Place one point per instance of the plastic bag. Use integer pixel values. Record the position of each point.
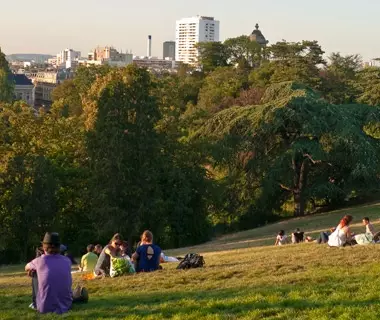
(121, 266)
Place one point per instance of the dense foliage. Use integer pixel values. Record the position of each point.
(255, 134)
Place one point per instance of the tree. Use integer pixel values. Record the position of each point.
(6, 85)
(68, 96)
(221, 87)
(244, 52)
(368, 86)
(299, 62)
(339, 78)
(124, 151)
(212, 55)
(296, 142)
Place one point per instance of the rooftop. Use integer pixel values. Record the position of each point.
(21, 80)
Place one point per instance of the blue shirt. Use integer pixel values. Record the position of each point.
(149, 257)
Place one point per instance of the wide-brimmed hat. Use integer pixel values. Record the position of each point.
(52, 238)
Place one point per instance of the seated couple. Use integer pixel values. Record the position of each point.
(51, 278)
(146, 258)
(342, 235)
(282, 239)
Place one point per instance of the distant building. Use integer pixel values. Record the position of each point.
(52, 61)
(23, 89)
(155, 64)
(67, 58)
(257, 36)
(108, 55)
(190, 31)
(45, 82)
(169, 50)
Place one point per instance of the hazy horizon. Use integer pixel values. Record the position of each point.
(339, 25)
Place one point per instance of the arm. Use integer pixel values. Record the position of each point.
(135, 256)
(110, 253)
(276, 243)
(348, 233)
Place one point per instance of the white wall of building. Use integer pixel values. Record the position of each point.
(67, 55)
(190, 31)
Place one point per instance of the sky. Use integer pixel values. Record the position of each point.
(45, 26)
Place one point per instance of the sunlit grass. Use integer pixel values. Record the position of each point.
(239, 281)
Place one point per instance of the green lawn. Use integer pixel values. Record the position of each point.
(242, 280)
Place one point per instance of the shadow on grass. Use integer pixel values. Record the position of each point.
(234, 302)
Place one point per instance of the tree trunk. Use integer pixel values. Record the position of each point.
(300, 180)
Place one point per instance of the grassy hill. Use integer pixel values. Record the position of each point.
(243, 279)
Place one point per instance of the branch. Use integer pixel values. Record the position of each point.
(315, 161)
(285, 188)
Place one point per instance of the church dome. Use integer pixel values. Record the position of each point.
(257, 36)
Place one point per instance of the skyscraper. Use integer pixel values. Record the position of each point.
(169, 50)
(190, 31)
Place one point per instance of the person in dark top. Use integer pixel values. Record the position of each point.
(147, 255)
(103, 265)
(98, 249)
(125, 249)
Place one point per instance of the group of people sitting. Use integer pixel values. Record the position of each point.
(51, 269)
(336, 237)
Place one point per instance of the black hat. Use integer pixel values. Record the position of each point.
(52, 238)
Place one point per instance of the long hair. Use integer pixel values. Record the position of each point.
(147, 236)
(345, 221)
(115, 237)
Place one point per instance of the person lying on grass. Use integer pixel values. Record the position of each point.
(147, 255)
(281, 238)
(51, 274)
(103, 266)
(342, 236)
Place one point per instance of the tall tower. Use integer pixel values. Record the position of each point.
(149, 46)
(190, 31)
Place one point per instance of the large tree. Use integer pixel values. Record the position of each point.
(299, 144)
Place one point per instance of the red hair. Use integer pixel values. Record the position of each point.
(345, 221)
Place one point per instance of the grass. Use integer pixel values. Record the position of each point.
(243, 279)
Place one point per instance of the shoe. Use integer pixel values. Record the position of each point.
(32, 306)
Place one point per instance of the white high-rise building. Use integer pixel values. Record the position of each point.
(190, 31)
(66, 57)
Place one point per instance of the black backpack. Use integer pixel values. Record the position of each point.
(191, 260)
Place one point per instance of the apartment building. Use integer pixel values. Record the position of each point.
(189, 32)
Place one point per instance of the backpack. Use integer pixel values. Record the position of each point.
(191, 260)
(80, 294)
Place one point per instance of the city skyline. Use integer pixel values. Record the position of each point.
(339, 26)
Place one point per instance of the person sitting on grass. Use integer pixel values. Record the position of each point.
(342, 235)
(369, 235)
(297, 236)
(103, 266)
(281, 238)
(147, 255)
(53, 281)
(98, 249)
(89, 260)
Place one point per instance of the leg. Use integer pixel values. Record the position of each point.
(34, 289)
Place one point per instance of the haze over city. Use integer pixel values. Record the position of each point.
(345, 26)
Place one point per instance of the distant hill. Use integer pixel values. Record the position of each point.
(39, 58)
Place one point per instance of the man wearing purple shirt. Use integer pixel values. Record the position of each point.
(54, 277)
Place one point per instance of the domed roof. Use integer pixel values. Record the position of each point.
(257, 36)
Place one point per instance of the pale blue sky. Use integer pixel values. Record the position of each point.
(45, 26)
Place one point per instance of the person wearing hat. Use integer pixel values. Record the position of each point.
(53, 285)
